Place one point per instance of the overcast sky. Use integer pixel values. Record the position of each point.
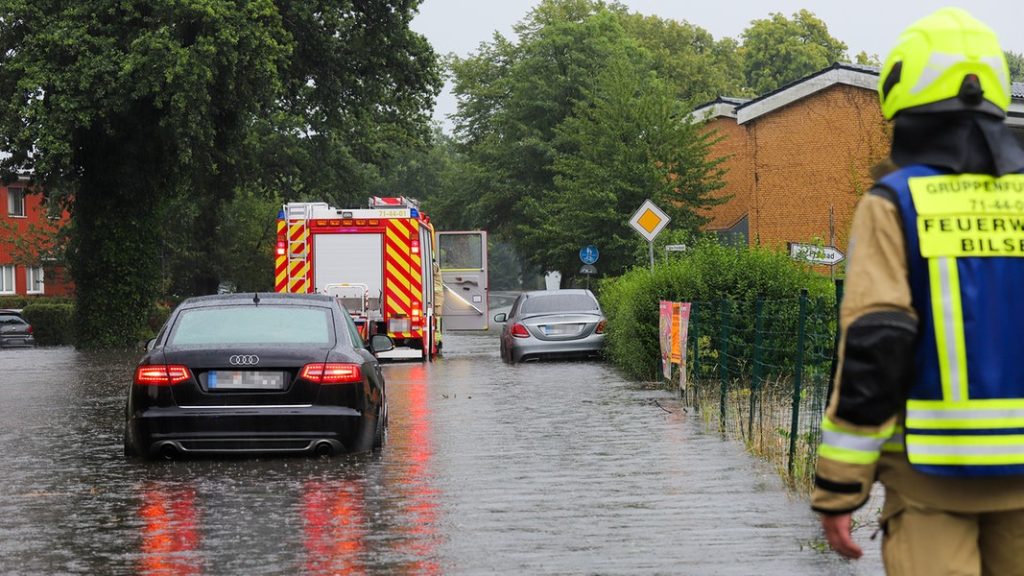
(459, 26)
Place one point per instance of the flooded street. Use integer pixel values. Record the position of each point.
(543, 468)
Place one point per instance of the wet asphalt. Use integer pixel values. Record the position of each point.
(541, 468)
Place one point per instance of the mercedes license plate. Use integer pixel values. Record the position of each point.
(244, 380)
(561, 329)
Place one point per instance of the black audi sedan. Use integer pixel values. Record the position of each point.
(259, 373)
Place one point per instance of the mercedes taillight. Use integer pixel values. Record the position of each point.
(520, 331)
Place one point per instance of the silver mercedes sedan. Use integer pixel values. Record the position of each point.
(552, 324)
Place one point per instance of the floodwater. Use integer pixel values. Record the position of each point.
(542, 468)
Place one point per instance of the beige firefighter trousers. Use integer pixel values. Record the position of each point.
(921, 541)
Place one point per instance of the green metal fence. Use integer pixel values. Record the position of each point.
(759, 371)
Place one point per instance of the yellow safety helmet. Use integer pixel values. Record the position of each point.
(947, 60)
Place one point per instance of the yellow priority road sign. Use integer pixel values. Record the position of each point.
(649, 220)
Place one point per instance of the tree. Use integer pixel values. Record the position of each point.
(115, 106)
(1016, 63)
(630, 140)
(127, 109)
(688, 58)
(515, 100)
(777, 50)
(865, 59)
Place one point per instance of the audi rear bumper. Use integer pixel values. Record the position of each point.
(305, 429)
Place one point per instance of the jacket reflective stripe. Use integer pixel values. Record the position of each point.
(949, 327)
(981, 415)
(852, 447)
(966, 450)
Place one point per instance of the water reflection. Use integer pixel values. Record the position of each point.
(170, 531)
(411, 472)
(335, 527)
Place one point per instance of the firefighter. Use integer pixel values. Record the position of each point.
(928, 396)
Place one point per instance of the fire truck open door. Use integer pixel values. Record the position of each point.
(462, 257)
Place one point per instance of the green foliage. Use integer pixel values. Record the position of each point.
(865, 59)
(52, 321)
(697, 67)
(706, 273)
(625, 144)
(18, 302)
(157, 317)
(146, 119)
(1015, 61)
(777, 50)
(566, 131)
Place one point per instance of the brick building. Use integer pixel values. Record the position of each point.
(797, 158)
(26, 234)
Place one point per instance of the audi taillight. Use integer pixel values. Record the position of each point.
(520, 331)
(331, 373)
(161, 375)
(600, 327)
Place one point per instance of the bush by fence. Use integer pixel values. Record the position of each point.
(761, 342)
(707, 273)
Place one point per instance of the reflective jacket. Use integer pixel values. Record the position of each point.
(964, 238)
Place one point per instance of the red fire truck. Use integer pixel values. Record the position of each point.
(379, 261)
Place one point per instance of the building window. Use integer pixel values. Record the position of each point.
(16, 202)
(7, 279)
(34, 280)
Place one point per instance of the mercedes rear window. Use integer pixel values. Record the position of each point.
(559, 303)
(263, 324)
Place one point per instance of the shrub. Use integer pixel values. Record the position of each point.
(17, 302)
(708, 273)
(52, 321)
(158, 315)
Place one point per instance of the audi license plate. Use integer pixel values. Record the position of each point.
(244, 380)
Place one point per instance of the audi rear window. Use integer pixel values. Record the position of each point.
(559, 303)
(264, 324)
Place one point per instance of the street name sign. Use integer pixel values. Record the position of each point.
(827, 255)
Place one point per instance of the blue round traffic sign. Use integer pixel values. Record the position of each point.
(589, 254)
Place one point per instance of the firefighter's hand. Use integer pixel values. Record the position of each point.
(837, 531)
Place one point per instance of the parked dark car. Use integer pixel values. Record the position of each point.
(552, 324)
(257, 373)
(15, 331)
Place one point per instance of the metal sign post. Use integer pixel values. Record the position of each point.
(589, 255)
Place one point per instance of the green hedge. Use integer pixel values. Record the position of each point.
(52, 321)
(17, 302)
(707, 273)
